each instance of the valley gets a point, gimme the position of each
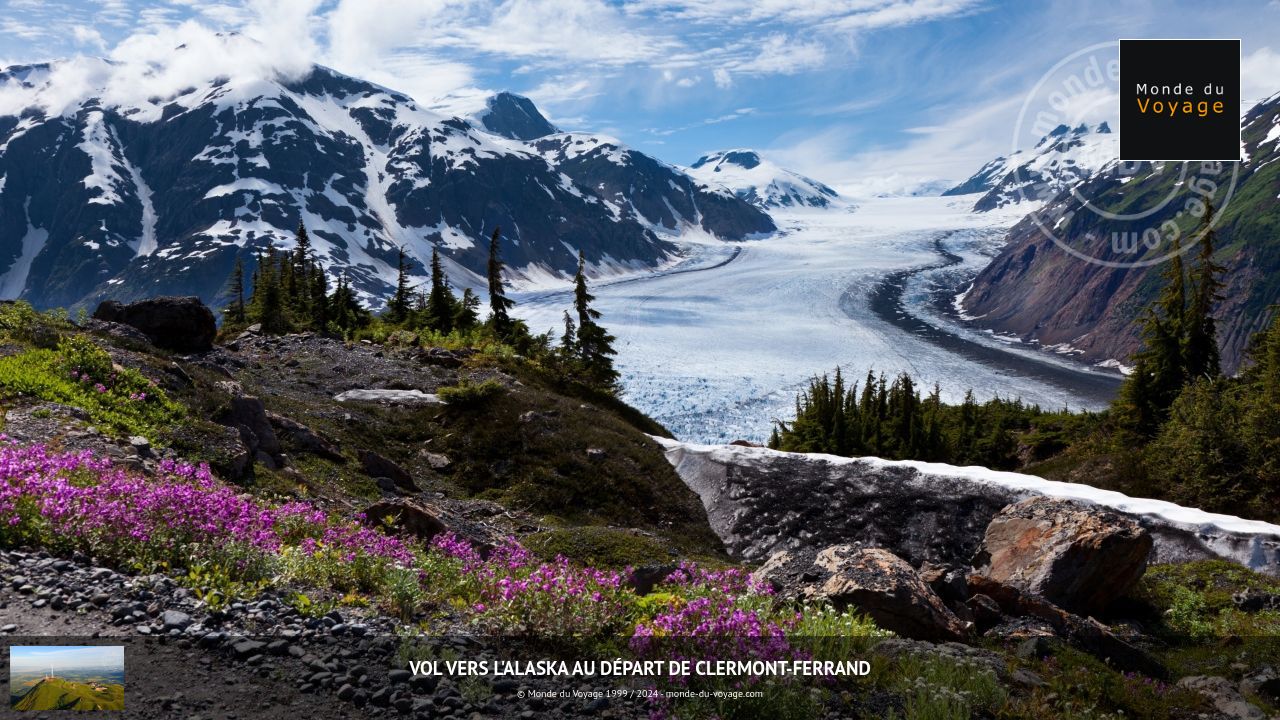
(751, 322)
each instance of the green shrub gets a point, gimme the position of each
(599, 546)
(81, 374)
(20, 322)
(468, 394)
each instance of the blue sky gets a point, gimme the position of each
(65, 657)
(869, 95)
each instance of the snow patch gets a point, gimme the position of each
(14, 280)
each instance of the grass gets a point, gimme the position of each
(1190, 608)
(60, 694)
(599, 546)
(81, 374)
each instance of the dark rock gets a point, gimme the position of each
(985, 611)
(304, 438)
(1085, 633)
(1077, 556)
(175, 620)
(249, 414)
(1254, 600)
(377, 466)
(1225, 698)
(181, 324)
(407, 516)
(245, 649)
(644, 578)
(117, 331)
(1263, 683)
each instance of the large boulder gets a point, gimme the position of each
(377, 466)
(249, 416)
(872, 580)
(406, 516)
(181, 324)
(1078, 556)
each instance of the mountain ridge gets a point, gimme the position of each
(121, 197)
(1038, 292)
(1061, 159)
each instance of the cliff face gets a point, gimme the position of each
(762, 501)
(1038, 291)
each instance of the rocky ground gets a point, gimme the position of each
(258, 659)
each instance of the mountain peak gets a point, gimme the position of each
(516, 117)
(756, 180)
(745, 159)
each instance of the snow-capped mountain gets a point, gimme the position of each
(104, 193)
(761, 182)
(514, 116)
(1063, 158)
(1034, 290)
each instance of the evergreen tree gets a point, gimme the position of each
(345, 310)
(399, 305)
(299, 273)
(319, 301)
(595, 344)
(499, 304)
(467, 315)
(441, 305)
(302, 247)
(270, 310)
(1149, 394)
(569, 340)
(1201, 355)
(236, 313)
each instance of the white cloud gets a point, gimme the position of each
(782, 55)
(89, 37)
(1259, 76)
(952, 151)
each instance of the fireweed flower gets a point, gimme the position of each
(81, 500)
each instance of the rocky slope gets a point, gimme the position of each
(925, 512)
(168, 191)
(1063, 158)
(1035, 290)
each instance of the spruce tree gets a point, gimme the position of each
(499, 304)
(319, 300)
(236, 313)
(569, 340)
(595, 344)
(1149, 393)
(271, 308)
(441, 305)
(467, 315)
(1201, 355)
(399, 305)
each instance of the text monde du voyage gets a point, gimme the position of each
(1181, 99)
